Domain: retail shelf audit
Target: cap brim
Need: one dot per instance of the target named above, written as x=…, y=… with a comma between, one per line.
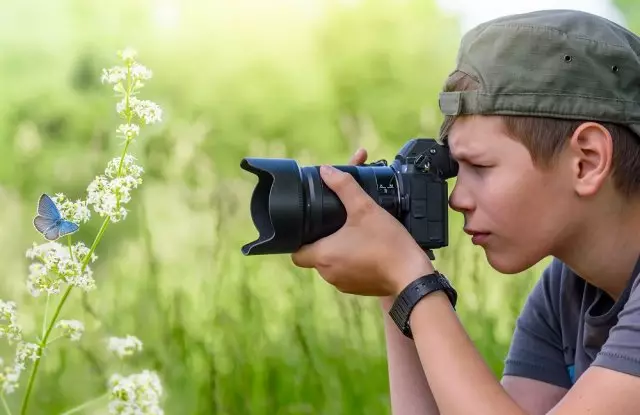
x=635, y=128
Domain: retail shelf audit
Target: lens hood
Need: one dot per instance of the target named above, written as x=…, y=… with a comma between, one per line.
x=272, y=210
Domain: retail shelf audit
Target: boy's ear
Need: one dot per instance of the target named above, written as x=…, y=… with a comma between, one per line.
x=591, y=154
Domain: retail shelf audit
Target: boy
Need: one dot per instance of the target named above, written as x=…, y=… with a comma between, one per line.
x=543, y=117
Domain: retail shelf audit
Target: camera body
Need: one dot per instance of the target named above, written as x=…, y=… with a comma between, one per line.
x=422, y=167
x=291, y=206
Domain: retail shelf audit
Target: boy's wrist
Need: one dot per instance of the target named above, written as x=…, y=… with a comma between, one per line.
x=386, y=303
x=409, y=269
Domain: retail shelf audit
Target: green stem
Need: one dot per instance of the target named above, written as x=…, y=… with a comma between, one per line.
x=46, y=311
x=85, y=405
x=57, y=338
x=129, y=117
x=43, y=342
x=4, y=403
x=70, y=248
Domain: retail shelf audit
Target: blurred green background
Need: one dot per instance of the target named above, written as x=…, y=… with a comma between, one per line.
x=310, y=80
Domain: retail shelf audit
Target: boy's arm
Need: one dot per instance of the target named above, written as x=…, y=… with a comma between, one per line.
x=409, y=390
x=535, y=376
x=410, y=393
x=462, y=383
x=533, y=396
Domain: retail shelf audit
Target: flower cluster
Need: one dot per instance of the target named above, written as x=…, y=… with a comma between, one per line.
x=72, y=329
x=25, y=351
x=9, y=376
x=123, y=347
x=56, y=265
x=77, y=211
x=8, y=322
x=109, y=192
x=139, y=393
x=132, y=70
x=127, y=81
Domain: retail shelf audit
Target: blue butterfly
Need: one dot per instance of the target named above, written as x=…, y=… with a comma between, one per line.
x=49, y=222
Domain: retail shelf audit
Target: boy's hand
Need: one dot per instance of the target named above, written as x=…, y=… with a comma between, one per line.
x=372, y=254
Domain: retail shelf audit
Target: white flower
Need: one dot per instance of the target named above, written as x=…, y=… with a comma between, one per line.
x=128, y=54
x=121, y=106
x=108, y=193
x=9, y=327
x=135, y=394
x=103, y=194
x=129, y=168
x=54, y=266
x=77, y=211
x=124, y=347
x=85, y=281
x=140, y=72
x=147, y=111
x=80, y=252
x=114, y=75
x=7, y=312
x=26, y=351
x=128, y=131
x=39, y=281
x=9, y=376
x=71, y=328
x=40, y=251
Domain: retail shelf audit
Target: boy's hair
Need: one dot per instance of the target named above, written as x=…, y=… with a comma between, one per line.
x=546, y=137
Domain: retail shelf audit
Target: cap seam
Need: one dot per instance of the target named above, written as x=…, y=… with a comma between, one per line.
x=555, y=29
x=556, y=95
x=557, y=114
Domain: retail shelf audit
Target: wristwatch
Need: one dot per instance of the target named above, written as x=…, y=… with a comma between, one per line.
x=416, y=291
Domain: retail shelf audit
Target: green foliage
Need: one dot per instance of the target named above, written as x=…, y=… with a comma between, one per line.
x=631, y=12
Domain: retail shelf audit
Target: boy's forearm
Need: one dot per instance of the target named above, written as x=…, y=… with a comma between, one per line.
x=461, y=381
x=409, y=390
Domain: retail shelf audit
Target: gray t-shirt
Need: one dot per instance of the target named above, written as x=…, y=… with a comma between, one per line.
x=568, y=325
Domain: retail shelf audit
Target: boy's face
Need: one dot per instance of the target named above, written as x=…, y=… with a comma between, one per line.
x=522, y=210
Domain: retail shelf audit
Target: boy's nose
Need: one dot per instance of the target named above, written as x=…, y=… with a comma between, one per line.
x=460, y=200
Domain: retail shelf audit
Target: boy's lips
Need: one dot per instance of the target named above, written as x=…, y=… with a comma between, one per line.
x=477, y=237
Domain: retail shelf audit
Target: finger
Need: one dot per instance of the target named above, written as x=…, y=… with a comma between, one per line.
x=304, y=257
x=355, y=200
x=359, y=157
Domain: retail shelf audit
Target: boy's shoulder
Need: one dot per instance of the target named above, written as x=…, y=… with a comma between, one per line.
x=568, y=325
x=565, y=292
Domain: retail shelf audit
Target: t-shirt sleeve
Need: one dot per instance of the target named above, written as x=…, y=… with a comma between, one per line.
x=536, y=350
x=621, y=351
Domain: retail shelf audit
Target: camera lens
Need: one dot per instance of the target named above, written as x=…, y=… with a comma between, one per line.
x=292, y=206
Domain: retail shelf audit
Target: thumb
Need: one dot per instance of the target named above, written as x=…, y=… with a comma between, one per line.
x=351, y=194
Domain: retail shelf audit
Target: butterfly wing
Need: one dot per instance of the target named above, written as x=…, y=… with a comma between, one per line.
x=43, y=224
x=52, y=233
x=47, y=227
x=65, y=228
x=48, y=209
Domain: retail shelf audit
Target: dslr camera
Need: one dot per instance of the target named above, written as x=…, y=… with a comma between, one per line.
x=291, y=206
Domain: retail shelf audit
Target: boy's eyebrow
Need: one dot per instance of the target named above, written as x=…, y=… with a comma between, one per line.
x=464, y=154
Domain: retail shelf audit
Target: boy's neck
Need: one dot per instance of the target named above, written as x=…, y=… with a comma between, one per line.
x=606, y=253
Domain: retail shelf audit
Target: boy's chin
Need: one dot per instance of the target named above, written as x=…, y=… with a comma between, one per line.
x=510, y=262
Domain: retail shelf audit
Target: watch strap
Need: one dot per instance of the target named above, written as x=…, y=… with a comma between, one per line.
x=416, y=291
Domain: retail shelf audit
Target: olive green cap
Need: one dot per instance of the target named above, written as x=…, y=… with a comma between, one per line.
x=552, y=63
